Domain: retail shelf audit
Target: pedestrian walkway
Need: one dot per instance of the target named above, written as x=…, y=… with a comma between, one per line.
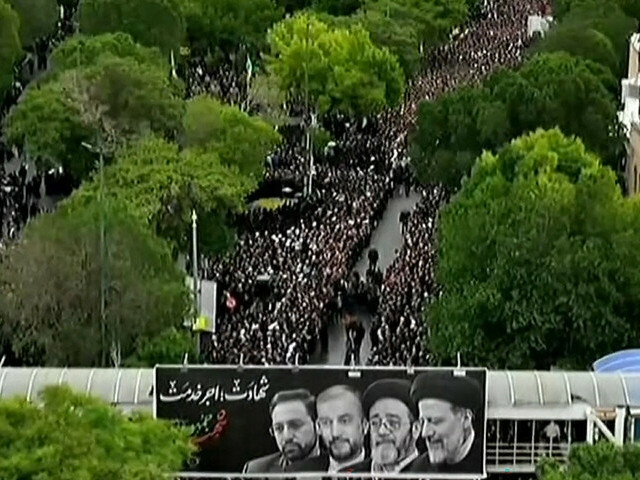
x=387, y=239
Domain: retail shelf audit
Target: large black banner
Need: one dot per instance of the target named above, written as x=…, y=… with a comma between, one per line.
x=272, y=421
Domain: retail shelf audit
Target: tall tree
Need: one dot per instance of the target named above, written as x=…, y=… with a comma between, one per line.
x=85, y=51
x=340, y=70
x=602, y=461
x=549, y=90
x=152, y=23
x=10, y=47
x=226, y=27
x=37, y=19
x=71, y=296
x=162, y=185
x=112, y=102
x=70, y=435
x=537, y=256
x=238, y=139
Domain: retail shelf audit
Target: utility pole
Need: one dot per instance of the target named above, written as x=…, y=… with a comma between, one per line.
x=194, y=262
x=306, y=114
x=103, y=256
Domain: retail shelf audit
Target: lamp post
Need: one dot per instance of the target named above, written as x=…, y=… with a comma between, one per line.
x=103, y=235
x=194, y=262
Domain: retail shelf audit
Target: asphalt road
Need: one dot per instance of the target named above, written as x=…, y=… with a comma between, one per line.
x=387, y=240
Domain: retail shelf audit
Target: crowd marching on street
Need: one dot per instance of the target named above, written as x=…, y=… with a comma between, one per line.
x=291, y=271
x=311, y=253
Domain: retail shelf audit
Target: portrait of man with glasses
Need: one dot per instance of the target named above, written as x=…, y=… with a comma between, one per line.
x=342, y=427
x=394, y=427
x=293, y=429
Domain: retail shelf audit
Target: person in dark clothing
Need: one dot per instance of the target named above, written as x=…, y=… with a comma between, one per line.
x=373, y=258
x=355, y=334
x=404, y=220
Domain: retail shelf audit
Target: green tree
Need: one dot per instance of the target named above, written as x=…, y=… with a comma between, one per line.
x=340, y=69
x=237, y=138
x=597, y=30
x=10, y=48
x=337, y=7
x=225, y=27
x=168, y=347
x=116, y=100
x=85, y=51
x=602, y=461
x=162, y=185
x=51, y=285
x=400, y=38
x=37, y=19
x=152, y=23
x=537, y=256
x=69, y=435
x=549, y=90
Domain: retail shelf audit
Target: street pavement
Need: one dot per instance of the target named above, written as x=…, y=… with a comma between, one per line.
x=387, y=240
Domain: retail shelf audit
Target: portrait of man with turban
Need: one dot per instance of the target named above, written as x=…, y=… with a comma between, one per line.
x=447, y=407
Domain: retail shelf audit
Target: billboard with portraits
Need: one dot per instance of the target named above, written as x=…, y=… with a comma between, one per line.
x=268, y=421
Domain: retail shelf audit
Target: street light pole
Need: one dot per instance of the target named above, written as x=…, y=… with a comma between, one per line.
x=196, y=296
x=309, y=146
x=103, y=270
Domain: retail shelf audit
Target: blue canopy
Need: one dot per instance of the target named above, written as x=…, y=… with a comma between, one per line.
x=623, y=361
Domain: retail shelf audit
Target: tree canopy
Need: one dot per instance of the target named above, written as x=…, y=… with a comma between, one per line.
x=224, y=27
x=602, y=461
x=10, y=47
x=85, y=51
x=595, y=30
x=162, y=185
x=549, y=90
x=537, y=256
x=342, y=69
x=152, y=23
x=67, y=436
x=237, y=138
x=37, y=19
x=113, y=101
x=51, y=283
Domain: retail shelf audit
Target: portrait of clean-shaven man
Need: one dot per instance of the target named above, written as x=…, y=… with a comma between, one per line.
x=342, y=427
x=293, y=429
x=447, y=407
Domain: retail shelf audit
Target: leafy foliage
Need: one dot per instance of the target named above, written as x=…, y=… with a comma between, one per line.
x=116, y=100
x=344, y=71
x=50, y=286
x=537, y=256
x=161, y=186
x=168, y=347
x=152, y=23
x=69, y=436
x=37, y=19
x=10, y=47
x=237, y=138
x=595, y=30
x=223, y=26
x=602, y=461
x=85, y=51
x=337, y=7
x=549, y=90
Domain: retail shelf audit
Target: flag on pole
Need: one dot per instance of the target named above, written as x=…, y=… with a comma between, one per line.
x=249, y=68
x=173, y=66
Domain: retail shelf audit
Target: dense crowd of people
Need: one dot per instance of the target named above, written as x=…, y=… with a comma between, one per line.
x=309, y=250
x=291, y=270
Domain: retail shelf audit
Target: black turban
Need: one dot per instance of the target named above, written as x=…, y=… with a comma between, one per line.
x=389, y=388
x=460, y=391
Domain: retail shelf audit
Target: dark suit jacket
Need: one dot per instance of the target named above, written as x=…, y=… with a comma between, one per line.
x=472, y=463
x=312, y=464
x=266, y=464
x=365, y=467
